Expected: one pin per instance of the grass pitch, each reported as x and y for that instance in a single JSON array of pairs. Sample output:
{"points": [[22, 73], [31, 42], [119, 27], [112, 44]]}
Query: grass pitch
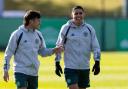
{"points": [[114, 73]]}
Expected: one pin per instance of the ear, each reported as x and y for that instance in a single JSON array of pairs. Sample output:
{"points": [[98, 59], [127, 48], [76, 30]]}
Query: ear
{"points": [[84, 14], [71, 15]]}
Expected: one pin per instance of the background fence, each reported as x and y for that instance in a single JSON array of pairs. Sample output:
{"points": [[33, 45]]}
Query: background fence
{"points": [[115, 37]]}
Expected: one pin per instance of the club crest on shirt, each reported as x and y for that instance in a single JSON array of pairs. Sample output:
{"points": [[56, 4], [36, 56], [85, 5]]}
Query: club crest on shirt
{"points": [[85, 34], [37, 41]]}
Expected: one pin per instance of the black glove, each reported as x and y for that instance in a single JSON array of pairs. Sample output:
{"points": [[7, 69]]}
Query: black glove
{"points": [[96, 68], [58, 69]]}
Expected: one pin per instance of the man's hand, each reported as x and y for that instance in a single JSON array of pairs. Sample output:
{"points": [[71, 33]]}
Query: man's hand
{"points": [[96, 68], [6, 76], [58, 69], [58, 49]]}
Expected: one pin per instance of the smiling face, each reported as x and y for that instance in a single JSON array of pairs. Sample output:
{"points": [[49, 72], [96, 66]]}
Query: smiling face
{"points": [[78, 16]]}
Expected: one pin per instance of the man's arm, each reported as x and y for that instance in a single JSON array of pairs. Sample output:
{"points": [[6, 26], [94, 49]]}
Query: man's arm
{"points": [[96, 52], [49, 51], [10, 49], [44, 51], [60, 42]]}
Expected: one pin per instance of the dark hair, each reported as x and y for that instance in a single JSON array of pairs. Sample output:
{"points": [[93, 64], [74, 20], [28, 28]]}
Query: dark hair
{"points": [[78, 7], [30, 15]]}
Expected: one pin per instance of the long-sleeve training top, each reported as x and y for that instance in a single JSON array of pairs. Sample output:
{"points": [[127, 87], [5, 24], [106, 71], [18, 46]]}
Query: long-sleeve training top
{"points": [[26, 54], [81, 40]]}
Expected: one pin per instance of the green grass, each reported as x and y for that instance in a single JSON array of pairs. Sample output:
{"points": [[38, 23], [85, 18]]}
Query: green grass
{"points": [[114, 73]]}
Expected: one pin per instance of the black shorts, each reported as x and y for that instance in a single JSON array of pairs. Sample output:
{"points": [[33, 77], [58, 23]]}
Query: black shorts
{"points": [[23, 80], [80, 77]]}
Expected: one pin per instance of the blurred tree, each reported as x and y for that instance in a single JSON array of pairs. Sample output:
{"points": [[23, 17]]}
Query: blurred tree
{"points": [[57, 8]]}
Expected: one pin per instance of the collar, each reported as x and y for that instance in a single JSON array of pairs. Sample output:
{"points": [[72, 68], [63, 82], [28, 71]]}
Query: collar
{"points": [[75, 26], [25, 29]]}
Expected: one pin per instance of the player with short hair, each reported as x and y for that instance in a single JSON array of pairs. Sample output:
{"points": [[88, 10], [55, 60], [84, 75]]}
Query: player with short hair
{"points": [[25, 44], [78, 39]]}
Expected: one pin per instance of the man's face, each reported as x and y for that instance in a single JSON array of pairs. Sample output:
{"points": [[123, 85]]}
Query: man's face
{"points": [[35, 23], [78, 15]]}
